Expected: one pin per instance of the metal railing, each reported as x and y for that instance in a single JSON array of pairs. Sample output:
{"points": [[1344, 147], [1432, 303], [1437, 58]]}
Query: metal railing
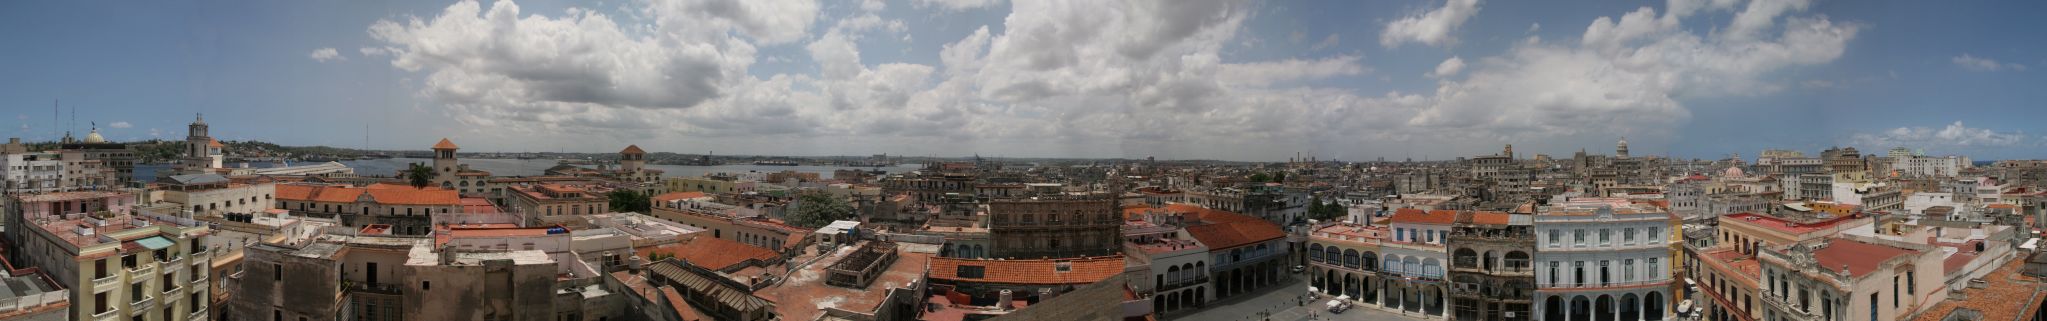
{"points": [[374, 288], [1172, 285], [1605, 284], [143, 269]]}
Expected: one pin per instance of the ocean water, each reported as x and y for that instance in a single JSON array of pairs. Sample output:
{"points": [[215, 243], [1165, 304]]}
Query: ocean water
{"points": [[534, 167]]}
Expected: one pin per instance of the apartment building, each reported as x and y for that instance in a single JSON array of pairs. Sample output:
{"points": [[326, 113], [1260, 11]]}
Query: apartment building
{"points": [[120, 263]]}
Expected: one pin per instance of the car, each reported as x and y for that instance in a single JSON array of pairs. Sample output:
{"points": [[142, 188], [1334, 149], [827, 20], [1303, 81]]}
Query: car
{"points": [[1298, 268]]}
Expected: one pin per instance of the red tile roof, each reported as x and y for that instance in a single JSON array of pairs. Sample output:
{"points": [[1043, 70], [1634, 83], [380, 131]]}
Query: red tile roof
{"points": [[1415, 216], [1035, 272], [1859, 257], [213, 143], [383, 193], [1490, 218], [632, 149], [445, 144], [711, 253]]}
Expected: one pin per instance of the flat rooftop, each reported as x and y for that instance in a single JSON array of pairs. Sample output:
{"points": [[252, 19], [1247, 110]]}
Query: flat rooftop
{"points": [[803, 295]]}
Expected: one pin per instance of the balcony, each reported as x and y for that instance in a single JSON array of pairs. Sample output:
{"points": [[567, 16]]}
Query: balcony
{"points": [[1597, 285], [197, 315], [137, 307], [106, 283], [1788, 311], [109, 315], [175, 261], [1175, 285], [142, 269], [171, 292], [173, 267], [373, 288]]}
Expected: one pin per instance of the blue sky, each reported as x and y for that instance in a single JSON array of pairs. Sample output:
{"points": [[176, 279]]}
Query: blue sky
{"points": [[1240, 80]]}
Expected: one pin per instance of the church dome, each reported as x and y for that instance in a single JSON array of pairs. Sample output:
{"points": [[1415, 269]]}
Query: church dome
{"points": [[94, 137], [1734, 172]]}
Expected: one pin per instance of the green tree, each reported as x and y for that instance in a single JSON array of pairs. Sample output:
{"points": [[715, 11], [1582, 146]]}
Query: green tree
{"points": [[1279, 177], [817, 209], [627, 200], [420, 175], [1260, 178]]}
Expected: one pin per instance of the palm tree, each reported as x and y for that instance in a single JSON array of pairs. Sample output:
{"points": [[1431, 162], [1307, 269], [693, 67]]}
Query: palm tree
{"points": [[420, 175]]}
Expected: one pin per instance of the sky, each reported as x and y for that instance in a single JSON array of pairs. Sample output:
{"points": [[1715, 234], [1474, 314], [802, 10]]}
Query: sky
{"points": [[1230, 80]]}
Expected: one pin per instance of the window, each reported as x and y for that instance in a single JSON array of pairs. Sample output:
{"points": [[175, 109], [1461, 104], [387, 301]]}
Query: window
{"points": [[1553, 273], [1578, 237], [1556, 238], [1578, 273], [1628, 270], [1628, 236], [1655, 269], [276, 272], [1605, 237], [971, 272]]}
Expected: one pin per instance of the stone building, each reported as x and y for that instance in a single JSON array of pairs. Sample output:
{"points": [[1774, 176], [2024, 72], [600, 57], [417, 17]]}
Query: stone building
{"points": [[1054, 226], [118, 262], [1604, 259], [451, 174], [405, 209], [537, 203], [1492, 276], [202, 152], [212, 194]]}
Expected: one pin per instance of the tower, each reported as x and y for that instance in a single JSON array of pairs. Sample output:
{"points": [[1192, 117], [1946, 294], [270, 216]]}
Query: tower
{"points": [[1509, 152], [631, 159], [202, 152], [1621, 150], [444, 157]]}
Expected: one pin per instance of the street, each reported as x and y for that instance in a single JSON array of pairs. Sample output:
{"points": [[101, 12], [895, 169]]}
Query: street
{"points": [[1282, 303]]}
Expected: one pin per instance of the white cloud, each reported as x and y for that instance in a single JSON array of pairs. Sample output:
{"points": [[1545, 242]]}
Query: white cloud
{"points": [[1954, 136], [1331, 41], [120, 124], [1435, 27], [1974, 63], [154, 132], [326, 54], [1082, 78], [956, 5], [1449, 67]]}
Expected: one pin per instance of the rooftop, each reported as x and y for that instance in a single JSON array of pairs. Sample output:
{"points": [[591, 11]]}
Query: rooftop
{"points": [[712, 253], [1859, 257], [379, 193], [1782, 225], [805, 295], [1994, 300], [1033, 272]]}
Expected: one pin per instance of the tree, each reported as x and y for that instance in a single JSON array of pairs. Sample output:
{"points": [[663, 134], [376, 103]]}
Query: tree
{"points": [[1279, 177], [817, 209], [627, 200], [420, 175], [1260, 178]]}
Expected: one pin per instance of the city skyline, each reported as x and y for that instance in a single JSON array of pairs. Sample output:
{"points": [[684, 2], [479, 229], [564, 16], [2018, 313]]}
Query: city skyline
{"points": [[1253, 81]]}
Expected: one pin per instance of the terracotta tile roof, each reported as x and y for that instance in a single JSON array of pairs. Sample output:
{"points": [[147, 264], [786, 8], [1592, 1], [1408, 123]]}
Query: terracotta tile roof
{"points": [[445, 144], [478, 205], [1488, 218], [383, 193], [1415, 216], [632, 149], [1859, 257], [214, 143], [2002, 287], [711, 253], [1226, 230], [1781, 225], [1036, 272]]}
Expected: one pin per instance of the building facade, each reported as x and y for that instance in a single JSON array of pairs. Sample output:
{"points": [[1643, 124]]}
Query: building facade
{"points": [[1054, 226], [1603, 259]]}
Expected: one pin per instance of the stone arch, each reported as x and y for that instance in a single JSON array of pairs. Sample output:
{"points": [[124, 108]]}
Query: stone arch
{"points": [[1631, 307], [1392, 263], [1553, 309], [1653, 306], [1581, 308], [1517, 261], [1602, 308], [1464, 258], [1371, 261], [1315, 252], [1432, 268], [1350, 258]]}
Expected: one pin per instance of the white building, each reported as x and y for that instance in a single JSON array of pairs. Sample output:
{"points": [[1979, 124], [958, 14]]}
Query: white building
{"points": [[1930, 166], [1603, 259]]}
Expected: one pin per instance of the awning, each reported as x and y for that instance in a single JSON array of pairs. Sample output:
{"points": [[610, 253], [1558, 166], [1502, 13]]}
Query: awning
{"points": [[155, 242]]}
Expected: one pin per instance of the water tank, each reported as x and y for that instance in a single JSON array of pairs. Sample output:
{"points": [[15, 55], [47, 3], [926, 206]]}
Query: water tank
{"points": [[1002, 300]]}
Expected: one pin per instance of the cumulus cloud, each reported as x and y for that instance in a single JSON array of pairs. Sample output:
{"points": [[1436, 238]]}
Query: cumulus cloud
{"points": [[1435, 27], [956, 5], [120, 124], [1123, 75], [1973, 63], [326, 54], [1952, 137], [1449, 67]]}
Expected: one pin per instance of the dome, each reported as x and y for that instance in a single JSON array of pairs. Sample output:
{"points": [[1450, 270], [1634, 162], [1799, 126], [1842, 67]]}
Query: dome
{"points": [[1734, 172], [94, 137]]}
